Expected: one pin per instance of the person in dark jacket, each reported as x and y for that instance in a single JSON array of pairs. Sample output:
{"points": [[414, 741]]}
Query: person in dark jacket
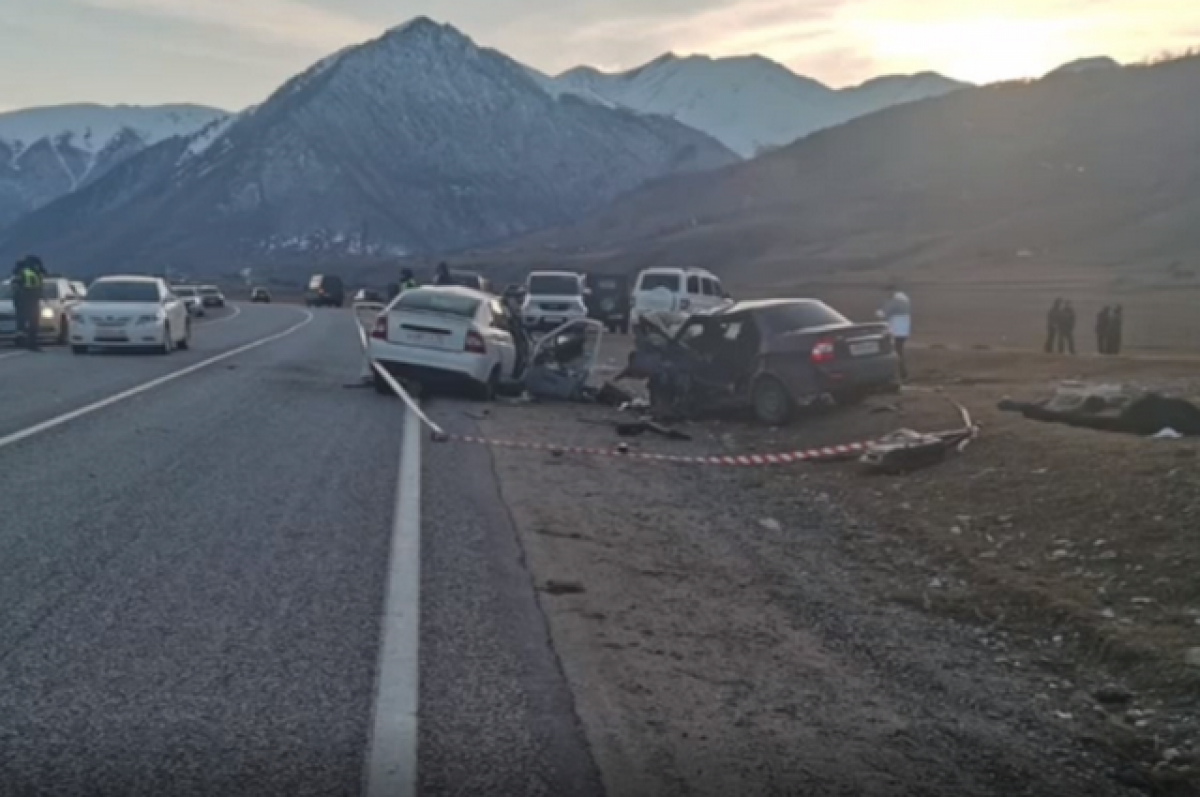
{"points": [[407, 280], [28, 278], [1103, 323], [1115, 331], [1066, 329], [442, 276], [1053, 324]]}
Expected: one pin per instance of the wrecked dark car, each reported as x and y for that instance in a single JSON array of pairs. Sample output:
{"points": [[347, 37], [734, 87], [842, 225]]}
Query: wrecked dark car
{"points": [[771, 357]]}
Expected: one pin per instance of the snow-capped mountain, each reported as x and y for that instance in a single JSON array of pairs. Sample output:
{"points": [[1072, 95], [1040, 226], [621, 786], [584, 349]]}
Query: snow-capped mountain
{"points": [[48, 152], [749, 103], [417, 141]]}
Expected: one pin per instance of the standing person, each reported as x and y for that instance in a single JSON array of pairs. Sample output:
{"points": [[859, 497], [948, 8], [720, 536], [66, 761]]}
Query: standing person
{"points": [[28, 277], [442, 276], [1103, 325], [1066, 329], [1115, 324], [407, 280], [897, 310], [1053, 325]]}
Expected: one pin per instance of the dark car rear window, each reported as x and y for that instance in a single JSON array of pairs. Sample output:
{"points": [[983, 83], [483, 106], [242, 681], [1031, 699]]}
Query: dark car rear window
{"points": [[781, 318]]}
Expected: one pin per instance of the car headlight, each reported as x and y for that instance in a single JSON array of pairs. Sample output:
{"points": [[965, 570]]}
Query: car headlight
{"points": [[47, 313], [148, 319]]}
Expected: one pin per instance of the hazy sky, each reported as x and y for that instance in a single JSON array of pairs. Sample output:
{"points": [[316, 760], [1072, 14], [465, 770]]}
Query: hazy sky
{"points": [[232, 53]]}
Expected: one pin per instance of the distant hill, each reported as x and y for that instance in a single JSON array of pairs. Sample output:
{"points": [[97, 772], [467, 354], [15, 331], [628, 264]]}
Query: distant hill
{"points": [[1095, 166], [749, 103], [419, 141], [46, 153]]}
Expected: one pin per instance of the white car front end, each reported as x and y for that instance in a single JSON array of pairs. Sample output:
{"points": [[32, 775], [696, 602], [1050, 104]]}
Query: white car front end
{"points": [[548, 312], [118, 324]]}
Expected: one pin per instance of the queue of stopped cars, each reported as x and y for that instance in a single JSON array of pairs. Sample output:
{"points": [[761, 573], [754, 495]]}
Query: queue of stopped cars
{"points": [[445, 335], [130, 312]]}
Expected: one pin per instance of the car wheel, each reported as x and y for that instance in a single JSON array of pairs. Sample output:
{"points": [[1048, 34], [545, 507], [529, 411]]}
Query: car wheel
{"points": [[773, 404], [486, 391], [79, 350], [186, 343], [168, 344]]}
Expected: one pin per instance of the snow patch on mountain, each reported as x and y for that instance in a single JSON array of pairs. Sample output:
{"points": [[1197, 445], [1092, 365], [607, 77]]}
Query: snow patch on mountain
{"points": [[749, 103], [91, 128]]}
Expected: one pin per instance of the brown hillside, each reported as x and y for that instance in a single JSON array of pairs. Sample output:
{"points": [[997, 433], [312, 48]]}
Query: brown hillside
{"points": [[1098, 169]]}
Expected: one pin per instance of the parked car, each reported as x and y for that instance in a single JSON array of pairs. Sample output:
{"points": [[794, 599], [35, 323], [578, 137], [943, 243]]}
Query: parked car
{"points": [[552, 298], [325, 290], [608, 301], [768, 356], [445, 336], [260, 296], [58, 297], [674, 293], [368, 295], [191, 298], [126, 312], [211, 296]]}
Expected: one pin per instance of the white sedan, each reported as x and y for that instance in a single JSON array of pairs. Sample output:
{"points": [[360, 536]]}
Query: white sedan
{"points": [[444, 335], [129, 312]]}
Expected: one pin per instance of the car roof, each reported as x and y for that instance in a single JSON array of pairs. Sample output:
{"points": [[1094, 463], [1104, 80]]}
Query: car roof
{"points": [[129, 278], [460, 290], [678, 270], [753, 305]]}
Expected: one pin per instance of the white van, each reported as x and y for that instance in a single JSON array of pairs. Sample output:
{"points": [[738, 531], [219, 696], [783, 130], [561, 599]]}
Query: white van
{"points": [[674, 293], [552, 298]]}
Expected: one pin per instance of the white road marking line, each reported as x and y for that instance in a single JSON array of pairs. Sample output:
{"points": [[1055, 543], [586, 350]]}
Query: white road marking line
{"points": [[12, 354], [237, 311], [391, 767], [45, 426]]}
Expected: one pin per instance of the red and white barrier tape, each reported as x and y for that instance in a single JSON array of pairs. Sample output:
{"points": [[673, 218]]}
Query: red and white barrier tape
{"points": [[781, 458]]}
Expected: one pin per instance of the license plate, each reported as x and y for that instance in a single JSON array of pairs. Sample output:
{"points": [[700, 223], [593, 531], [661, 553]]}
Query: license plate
{"points": [[111, 338], [864, 348], [423, 339]]}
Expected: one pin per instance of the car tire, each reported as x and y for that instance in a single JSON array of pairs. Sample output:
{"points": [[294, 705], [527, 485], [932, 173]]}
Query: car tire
{"points": [[79, 349], [186, 343], [486, 391], [168, 344], [773, 404]]}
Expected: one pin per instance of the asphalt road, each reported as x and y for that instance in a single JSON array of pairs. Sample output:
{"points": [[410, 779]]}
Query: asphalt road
{"points": [[192, 580]]}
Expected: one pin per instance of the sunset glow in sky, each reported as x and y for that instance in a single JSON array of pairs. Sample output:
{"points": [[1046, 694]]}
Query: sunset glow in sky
{"points": [[231, 53]]}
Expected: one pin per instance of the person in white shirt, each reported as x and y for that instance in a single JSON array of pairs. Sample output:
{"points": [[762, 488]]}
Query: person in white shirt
{"points": [[897, 311]]}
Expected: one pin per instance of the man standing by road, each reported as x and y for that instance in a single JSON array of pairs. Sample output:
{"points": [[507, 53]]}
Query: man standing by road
{"points": [[442, 276], [1066, 329], [1115, 323], [1054, 327], [407, 280], [897, 310], [28, 278], [1103, 324]]}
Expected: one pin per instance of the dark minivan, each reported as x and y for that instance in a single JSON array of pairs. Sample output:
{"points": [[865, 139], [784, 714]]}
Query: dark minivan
{"points": [[325, 290]]}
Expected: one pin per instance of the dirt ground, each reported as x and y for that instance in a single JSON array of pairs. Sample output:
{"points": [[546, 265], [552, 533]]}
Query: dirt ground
{"points": [[1021, 619]]}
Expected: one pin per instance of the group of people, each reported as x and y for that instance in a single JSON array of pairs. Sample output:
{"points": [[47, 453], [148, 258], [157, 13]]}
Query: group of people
{"points": [[28, 279], [1060, 329]]}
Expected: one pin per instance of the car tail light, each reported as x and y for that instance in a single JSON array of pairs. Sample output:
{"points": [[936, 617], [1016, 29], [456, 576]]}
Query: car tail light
{"points": [[823, 351], [380, 330], [475, 343]]}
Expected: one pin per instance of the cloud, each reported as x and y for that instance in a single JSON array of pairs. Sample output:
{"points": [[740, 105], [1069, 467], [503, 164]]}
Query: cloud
{"points": [[273, 22]]}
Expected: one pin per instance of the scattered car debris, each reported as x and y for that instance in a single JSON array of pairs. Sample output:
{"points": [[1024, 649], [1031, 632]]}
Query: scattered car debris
{"points": [[562, 361], [906, 450]]}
